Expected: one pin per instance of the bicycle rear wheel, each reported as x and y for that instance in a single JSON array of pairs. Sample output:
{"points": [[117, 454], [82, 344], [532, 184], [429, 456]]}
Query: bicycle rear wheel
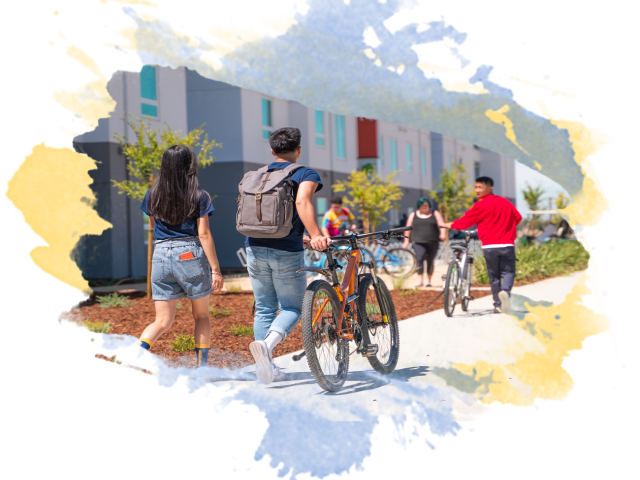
{"points": [[399, 262], [466, 291], [374, 307], [327, 354], [450, 288]]}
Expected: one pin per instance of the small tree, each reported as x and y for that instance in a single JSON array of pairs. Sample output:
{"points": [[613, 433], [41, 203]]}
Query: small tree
{"points": [[533, 196], [452, 192], [371, 196], [562, 201], [145, 156]]}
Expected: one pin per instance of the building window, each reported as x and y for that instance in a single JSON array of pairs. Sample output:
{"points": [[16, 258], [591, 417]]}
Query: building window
{"points": [[322, 205], [393, 155], [476, 169], [394, 217], [148, 91], [409, 159], [320, 128], [423, 160], [266, 118], [340, 147]]}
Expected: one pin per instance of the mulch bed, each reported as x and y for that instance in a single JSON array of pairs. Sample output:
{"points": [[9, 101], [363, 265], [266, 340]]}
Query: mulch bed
{"points": [[227, 350]]}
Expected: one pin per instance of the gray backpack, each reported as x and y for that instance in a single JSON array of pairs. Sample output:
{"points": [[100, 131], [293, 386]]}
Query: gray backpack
{"points": [[266, 203]]}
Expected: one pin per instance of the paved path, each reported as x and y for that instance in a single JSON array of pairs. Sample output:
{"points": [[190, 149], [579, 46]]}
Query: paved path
{"points": [[428, 343]]}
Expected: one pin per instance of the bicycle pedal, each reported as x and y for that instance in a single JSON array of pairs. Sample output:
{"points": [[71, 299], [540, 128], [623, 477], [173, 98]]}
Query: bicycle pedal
{"points": [[469, 298], [369, 350]]}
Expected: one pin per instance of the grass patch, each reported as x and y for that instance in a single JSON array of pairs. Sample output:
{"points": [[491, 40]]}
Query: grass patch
{"points": [[550, 259], [97, 327], [241, 330], [178, 305], [408, 291], [183, 343], [113, 300], [234, 287], [372, 309], [220, 312], [399, 282]]}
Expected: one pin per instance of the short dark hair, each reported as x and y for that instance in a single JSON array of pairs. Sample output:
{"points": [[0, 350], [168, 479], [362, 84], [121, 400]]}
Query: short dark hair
{"points": [[486, 180], [337, 200], [285, 140]]}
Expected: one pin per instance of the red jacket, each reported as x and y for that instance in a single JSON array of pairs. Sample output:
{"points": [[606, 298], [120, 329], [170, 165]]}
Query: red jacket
{"points": [[496, 218]]}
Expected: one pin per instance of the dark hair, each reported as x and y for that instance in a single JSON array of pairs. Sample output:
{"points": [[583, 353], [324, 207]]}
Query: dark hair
{"points": [[424, 200], [486, 180], [337, 200], [285, 140], [175, 194]]}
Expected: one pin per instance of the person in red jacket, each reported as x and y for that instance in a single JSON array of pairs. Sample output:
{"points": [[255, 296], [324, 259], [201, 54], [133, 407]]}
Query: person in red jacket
{"points": [[496, 218]]}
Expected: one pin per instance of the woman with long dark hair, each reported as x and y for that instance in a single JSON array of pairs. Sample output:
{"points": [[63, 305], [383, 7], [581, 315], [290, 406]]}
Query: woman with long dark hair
{"points": [[426, 236], [184, 258]]}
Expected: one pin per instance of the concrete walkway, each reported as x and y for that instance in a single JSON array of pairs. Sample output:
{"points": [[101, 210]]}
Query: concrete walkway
{"points": [[429, 343]]}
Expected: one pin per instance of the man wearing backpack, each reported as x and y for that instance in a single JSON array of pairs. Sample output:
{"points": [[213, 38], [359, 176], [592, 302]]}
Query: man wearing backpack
{"points": [[274, 208]]}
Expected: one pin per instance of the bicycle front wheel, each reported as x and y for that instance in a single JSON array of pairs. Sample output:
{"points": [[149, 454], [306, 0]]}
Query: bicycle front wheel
{"points": [[466, 293], [450, 288], [327, 354], [379, 324], [399, 262]]}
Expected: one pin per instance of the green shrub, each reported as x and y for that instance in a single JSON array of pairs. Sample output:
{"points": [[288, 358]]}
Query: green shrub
{"points": [[113, 300], [407, 291], [98, 327], [183, 343], [549, 259], [220, 312], [241, 330]]}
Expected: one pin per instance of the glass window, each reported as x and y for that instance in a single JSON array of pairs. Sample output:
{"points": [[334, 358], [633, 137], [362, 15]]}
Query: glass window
{"points": [[394, 217], [266, 118], [148, 91], [423, 160], [320, 128], [393, 155], [476, 169], [409, 159], [322, 205], [340, 146]]}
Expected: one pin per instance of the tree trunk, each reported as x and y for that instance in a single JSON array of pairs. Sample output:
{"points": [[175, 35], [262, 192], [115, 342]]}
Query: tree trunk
{"points": [[150, 249]]}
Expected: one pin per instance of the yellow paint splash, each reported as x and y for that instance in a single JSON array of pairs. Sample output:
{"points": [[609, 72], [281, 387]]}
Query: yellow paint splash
{"points": [[538, 166], [369, 53], [500, 117], [437, 68], [131, 2], [464, 86], [51, 189], [554, 91], [92, 101]]}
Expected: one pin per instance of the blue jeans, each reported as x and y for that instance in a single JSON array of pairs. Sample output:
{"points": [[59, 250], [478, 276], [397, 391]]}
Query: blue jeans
{"points": [[276, 285], [501, 267]]}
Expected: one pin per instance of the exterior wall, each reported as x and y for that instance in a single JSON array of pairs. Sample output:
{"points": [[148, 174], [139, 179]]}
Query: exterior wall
{"points": [[501, 170]]}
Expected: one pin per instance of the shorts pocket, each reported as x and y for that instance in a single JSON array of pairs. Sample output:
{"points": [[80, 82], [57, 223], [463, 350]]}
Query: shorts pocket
{"points": [[157, 269], [190, 269]]}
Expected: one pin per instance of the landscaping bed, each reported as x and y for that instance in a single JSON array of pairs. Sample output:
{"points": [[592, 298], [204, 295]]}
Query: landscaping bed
{"points": [[232, 310]]}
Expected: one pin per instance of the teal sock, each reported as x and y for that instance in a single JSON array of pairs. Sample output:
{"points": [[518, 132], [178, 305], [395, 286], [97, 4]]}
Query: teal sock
{"points": [[143, 347], [202, 355]]}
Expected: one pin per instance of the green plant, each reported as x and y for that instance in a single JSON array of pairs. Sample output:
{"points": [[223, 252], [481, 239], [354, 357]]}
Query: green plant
{"points": [[97, 327], [533, 197], [371, 195], [372, 309], [234, 287], [178, 305], [241, 330], [220, 312], [183, 343], [452, 192], [113, 300], [251, 302], [408, 291], [562, 201], [399, 282]]}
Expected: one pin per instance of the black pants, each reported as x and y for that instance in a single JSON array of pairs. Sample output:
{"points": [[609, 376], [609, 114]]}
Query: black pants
{"points": [[501, 267], [428, 252]]}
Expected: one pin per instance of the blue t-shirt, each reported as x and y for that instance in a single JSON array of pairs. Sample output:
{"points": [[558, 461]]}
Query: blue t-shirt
{"points": [[188, 228], [293, 241]]}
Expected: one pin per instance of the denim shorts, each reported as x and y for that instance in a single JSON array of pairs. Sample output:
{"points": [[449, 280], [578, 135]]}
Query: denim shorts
{"points": [[173, 277]]}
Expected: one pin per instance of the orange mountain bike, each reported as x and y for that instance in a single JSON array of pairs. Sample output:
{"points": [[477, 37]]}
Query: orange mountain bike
{"points": [[360, 310]]}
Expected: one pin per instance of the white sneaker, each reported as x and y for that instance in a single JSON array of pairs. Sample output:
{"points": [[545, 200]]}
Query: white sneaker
{"points": [[277, 374], [262, 356], [504, 300]]}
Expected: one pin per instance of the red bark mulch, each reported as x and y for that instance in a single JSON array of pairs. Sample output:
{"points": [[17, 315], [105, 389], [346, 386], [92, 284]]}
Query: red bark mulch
{"points": [[227, 350]]}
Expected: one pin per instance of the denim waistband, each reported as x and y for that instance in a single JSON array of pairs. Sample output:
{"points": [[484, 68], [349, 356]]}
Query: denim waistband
{"points": [[177, 241]]}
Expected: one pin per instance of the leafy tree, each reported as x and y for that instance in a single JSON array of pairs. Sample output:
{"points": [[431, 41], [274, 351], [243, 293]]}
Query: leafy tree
{"points": [[533, 197], [144, 157], [452, 192], [371, 195]]}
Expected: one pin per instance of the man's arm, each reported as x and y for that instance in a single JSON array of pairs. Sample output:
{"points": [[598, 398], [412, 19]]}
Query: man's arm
{"points": [[469, 219], [307, 214]]}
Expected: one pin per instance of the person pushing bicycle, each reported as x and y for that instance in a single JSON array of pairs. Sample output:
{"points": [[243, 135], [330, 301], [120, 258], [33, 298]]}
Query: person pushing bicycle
{"points": [[497, 219]]}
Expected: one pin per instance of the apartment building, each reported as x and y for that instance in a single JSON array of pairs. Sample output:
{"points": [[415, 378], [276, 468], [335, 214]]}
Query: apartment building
{"points": [[242, 120]]}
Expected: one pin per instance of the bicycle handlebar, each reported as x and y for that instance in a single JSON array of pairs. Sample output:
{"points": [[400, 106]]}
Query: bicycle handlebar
{"points": [[383, 233]]}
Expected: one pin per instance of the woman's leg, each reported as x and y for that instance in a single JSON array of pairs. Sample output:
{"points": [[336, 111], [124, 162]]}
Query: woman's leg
{"points": [[165, 314], [421, 251], [202, 329], [431, 253]]}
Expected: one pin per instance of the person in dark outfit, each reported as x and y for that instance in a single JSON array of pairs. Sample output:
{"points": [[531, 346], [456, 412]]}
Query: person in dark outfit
{"points": [[426, 236], [497, 219]]}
